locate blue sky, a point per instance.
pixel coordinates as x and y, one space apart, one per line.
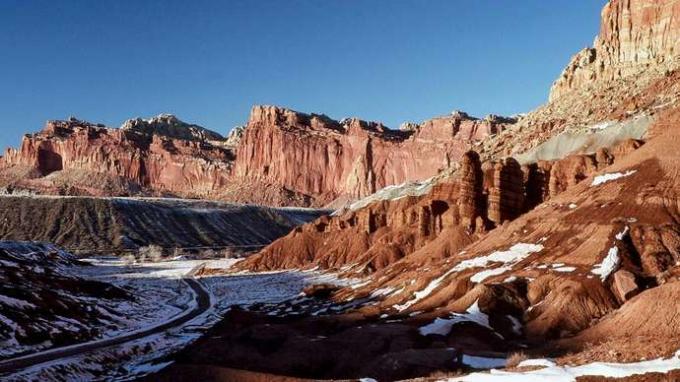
209 61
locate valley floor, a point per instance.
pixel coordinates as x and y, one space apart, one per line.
158 322
261 327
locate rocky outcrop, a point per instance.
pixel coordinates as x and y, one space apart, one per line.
634 35
506 191
470 197
624 285
280 157
168 125
458 210
128 156
44 304
314 155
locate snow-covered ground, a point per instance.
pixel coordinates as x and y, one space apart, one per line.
508 259
602 179
162 296
548 371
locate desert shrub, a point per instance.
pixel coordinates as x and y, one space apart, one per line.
208 254
515 359
129 259
178 252
153 253
228 253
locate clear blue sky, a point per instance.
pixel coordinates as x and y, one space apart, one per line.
209 61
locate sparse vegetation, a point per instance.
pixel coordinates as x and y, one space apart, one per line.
152 253
229 253
178 253
129 259
515 359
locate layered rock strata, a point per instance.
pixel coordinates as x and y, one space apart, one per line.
477 198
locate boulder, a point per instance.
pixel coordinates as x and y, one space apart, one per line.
624 285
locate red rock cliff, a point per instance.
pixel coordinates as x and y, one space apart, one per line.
155 162
281 157
314 155
457 211
634 36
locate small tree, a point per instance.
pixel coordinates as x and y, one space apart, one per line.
209 254
229 253
153 253
128 259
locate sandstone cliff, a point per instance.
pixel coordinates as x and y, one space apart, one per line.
315 155
281 157
457 211
76 157
635 36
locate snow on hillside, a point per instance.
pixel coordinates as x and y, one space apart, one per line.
507 259
160 295
44 303
602 179
442 326
548 371
393 192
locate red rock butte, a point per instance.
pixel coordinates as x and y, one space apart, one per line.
281 157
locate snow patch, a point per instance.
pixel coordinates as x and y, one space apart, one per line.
509 258
553 373
601 179
612 262
516 325
483 362
442 326
15 303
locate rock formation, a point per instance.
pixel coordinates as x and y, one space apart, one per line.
576 255
314 155
281 157
480 196
635 36
119 161
168 125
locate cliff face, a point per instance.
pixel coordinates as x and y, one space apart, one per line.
134 159
458 211
315 155
634 36
281 157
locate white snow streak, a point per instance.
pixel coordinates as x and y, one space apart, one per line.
601 179
509 258
554 373
612 262
442 326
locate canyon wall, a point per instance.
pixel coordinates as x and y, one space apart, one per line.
459 210
281 157
105 157
635 36
284 157
315 155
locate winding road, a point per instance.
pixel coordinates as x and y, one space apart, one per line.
203 303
